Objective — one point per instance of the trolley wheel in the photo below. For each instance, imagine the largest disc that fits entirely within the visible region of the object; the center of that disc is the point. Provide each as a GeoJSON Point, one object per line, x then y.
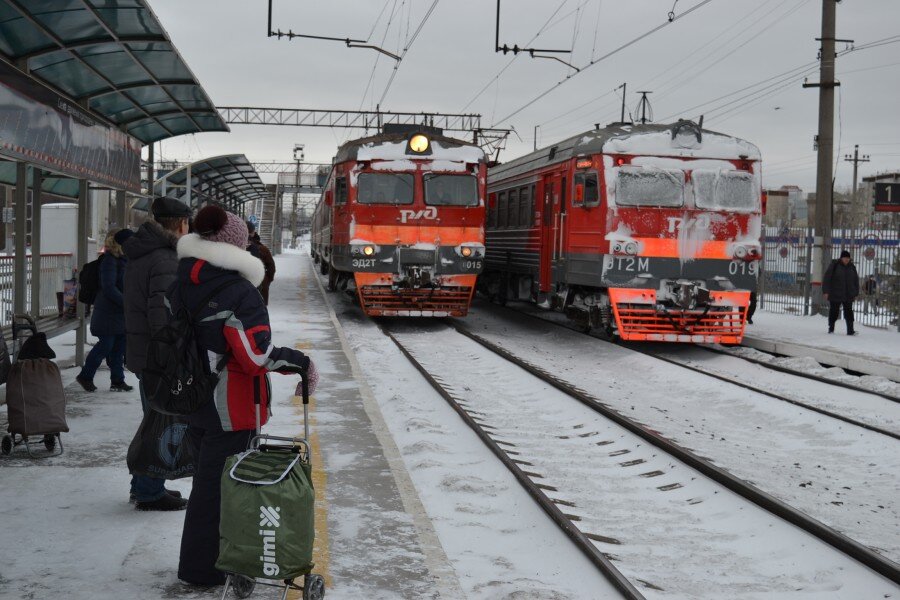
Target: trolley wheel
{"type": "Point", "coordinates": [6, 445]}
{"type": "Point", "coordinates": [242, 586]}
{"type": "Point", "coordinates": [50, 442]}
{"type": "Point", "coordinates": [313, 587]}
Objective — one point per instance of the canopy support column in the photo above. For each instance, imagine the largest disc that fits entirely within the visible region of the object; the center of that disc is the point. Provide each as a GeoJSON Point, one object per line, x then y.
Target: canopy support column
{"type": "Point", "coordinates": [37, 182]}
{"type": "Point", "coordinates": [121, 209]}
{"type": "Point", "coordinates": [20, 273]}
{"type": "Point", "coordinates": [81, 257]}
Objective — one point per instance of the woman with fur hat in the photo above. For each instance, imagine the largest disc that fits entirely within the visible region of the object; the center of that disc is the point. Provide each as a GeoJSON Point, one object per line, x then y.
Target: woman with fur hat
{"type": "Point", "coordinates": [108, 318]}
{"type": "Point", "coordinates": [215, 269]}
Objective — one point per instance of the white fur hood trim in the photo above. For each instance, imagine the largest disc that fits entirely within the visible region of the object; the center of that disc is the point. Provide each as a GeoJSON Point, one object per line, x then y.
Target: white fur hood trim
{"type": "Point", "coordinates": [222, 255]}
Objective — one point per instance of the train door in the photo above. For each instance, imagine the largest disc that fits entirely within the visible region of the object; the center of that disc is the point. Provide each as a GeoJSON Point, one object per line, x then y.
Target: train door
{"type": "Point", "coordinates": [549, 210]}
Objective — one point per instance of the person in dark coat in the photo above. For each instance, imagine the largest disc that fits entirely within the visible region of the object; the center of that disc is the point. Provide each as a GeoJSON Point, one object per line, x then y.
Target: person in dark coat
{"type": "Point", "coordinates": [108, 318]}
{"type": "Point", "coordinates": [260, 251]}
{"type": "Point", "coordinates": [218, 278]}
{"type": "Point", "coordinates": [840, 286]}
{"type": "Point", "coordinates": [152, 263]}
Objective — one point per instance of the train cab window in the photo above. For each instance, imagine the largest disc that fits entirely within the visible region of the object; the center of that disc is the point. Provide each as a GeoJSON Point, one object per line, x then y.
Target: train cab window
{"type": "Point", "coordinates": [512, 219]}
{"type": "Point", "coordinates": [646, 186]}
{"type": "Point", "coordinates": [501, 210]}
{"type": "Point", "coordinates": [586, 192]}
{"type": "Point", "coordinates": [451, 190]}
{"type": "Point", "coordinates": [524, 208]}
{"type": "Point", "coordinates": [340, 190]}
{"type": "Point", "coordinates": [384, 188]}
{"type": "Point", "coordinates": [725, 190]}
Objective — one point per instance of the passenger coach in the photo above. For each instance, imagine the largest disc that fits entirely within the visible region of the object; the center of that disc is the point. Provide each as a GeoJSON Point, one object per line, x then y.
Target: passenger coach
{"type": "Point", "coordinates": [645, 232]}
{"type": "Point", "coordinates": [402, 220]}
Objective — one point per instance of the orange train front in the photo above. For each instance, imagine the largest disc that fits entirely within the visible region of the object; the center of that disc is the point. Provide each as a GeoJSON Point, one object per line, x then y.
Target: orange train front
{"type": "Point", "coordinates": [402, 220]}
{"type": "Point", "coordinates": [645, 232]}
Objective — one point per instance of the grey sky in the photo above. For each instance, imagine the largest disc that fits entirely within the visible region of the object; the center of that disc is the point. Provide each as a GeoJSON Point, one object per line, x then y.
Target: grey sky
{"type": "Point", "coordinates": [720, 48]}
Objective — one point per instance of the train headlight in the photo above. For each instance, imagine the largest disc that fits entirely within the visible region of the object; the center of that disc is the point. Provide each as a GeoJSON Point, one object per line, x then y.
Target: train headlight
{"type": "Point", "coordinates": [470, 250]}
{"type": "Point", "coordinates": [631, 248]}
{"type": "Point", "coordinates": [419, 144]}
{"type": "Point", "coordinates": [368, 250]}
{"type": "Point", "coordinates": [740, 252]}
{"type": "Point", "coordinates": [617, 247]}
{"type": "Point", "coordinates": [466, 251]}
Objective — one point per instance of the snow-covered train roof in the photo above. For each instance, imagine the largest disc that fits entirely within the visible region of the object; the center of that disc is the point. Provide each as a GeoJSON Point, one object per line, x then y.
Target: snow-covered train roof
{"type": "Point", "coordinates": [622, 138]}
{"type": "Point", "coordinates": [392, 146]}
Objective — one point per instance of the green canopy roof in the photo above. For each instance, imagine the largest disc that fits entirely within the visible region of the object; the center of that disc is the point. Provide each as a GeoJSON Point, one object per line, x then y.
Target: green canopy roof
{"type": "Point", "coordinates": [112, 55]}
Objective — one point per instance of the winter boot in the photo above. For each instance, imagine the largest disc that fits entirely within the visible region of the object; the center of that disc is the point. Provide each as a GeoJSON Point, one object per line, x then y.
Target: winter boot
{"type": "Point", "coordinates": [167, 502]}
{"type": "Point", "coordinates": [120, 386]}
{"type": "Point", "coordinates": [132, 497]}
{"type": "Point", "coordinates": [86, 384]}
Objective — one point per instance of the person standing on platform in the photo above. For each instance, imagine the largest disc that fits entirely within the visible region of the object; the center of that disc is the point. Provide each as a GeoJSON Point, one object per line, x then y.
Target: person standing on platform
{"type": "Point", "coordinates": [840, 286]}
{"type": "Point", "coordinates": [259, 250]}
{"type": "Point", "coordinates": [108, 318]}
{"type": "Point", "coordinates": [152, 264]}
{"type": "Point", "coordinates": [751, 310]}
{"type": "Point", "coordinates": [217, 280]}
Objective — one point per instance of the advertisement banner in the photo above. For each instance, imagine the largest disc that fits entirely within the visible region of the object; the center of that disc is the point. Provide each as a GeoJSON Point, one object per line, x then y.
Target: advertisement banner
{"type": "Point", "coordinates": [47, 130]}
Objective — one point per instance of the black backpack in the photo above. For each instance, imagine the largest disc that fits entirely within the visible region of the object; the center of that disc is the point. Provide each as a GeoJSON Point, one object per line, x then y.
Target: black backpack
{"type": "Point", "coordinates": [176, 377]}
{"type": "Point", "coordinates": [89, 281]}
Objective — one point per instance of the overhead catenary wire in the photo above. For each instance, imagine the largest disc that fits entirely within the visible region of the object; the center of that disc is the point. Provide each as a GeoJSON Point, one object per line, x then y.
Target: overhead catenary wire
{"type": "Point", "coordinates": [613, 52]}
{"type": "Point", "coordinates": [406, 48]}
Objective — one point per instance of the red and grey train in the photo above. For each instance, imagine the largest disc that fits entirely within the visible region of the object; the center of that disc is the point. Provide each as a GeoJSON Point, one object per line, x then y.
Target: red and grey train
{"type": "Point", "coordinates": [645, 232]}
{"type": "Point", "coordinates": [402, 220]}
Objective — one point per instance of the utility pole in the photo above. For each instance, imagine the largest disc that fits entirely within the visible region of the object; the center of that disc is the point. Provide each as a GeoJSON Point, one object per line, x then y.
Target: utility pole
{"type": "Point", "coordinates": [643, 105]}
{"type": "Point", "coordinates": [535, 136]}
{"type": "Point", "coordinates": [824, 169]}
{"type": "Point", "coordinates": [624, 87]}
{"type": "Point", "coordinates": [855, 159]}
{"type": "Point", "coordinates": [298, 157]}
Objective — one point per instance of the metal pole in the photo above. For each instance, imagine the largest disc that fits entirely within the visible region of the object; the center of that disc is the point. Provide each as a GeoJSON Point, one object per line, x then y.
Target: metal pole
{"type": "Point", "coordinates": [824, 169]}
{"type": "Point", "coordinates": [37, 180]}
{"type": "Point", "coordinates": [150, 168]}
{"type": "Point", "coordinates": [536, 127]}
{"type": "Point", "coordinates": [189, 186]}
{"type": "Point", "coordinates": [624, 89]}
{"type": "Point", "coordinates": [121, 209]}
{"type": "Point", "coordinates": [20, 272]}
{"type": "Point", "coordinates": [81, 257]}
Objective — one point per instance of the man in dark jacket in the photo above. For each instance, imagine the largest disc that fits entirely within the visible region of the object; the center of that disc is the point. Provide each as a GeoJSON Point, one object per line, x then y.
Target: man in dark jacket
{"type": "Point", "coordinates": [259, 250]}
{"type": "Point", "coordinates": [840, 286]}
{"type": "Point", "coordinates": [152, 264]}
{"type": "Point", "coordinates": [216, 269]}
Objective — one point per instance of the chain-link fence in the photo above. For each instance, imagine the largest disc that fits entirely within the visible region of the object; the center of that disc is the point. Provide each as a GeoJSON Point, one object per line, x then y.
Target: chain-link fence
{"type": "Point", "coordinates": [785, 281]}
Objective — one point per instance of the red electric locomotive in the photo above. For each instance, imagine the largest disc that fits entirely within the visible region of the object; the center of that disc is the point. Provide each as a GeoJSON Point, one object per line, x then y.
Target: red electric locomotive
{"type": "Point", "coordinates": [645, 232]}
{"type": "Point", "coordinates": [402, 219]}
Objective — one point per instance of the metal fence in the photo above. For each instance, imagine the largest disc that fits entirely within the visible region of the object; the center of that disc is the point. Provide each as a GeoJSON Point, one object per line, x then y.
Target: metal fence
{"type": "Point", "coordinates": [785, 281]}
{"type": "Point", "coordinates": [55, 268]}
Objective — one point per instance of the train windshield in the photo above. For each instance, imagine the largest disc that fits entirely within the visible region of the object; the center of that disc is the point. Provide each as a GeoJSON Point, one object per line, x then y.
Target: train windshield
{"type": "Point", "coordinates": [724, 190]}
{"type": "Point", "coordinates": [384, 188]}
{"type": "Point", "coordinates": [451, 190]}
{"type": "Point", "coordinates": [649, 187]}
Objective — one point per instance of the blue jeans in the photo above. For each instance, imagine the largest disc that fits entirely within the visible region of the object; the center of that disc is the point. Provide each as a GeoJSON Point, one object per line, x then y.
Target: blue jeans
{"type": "Point", "coordinates": [146, 489]}
{"type": "Point", "coordinates": [112, 348]}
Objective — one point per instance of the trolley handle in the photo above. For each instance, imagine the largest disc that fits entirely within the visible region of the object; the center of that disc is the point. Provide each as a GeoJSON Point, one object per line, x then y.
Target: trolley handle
{"type": "Point", "coordinates": [304, 381]}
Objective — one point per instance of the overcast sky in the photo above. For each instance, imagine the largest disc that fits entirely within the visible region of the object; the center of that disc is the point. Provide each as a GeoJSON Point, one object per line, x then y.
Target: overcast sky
{"type": "Point", "coordinates": [718, 49]}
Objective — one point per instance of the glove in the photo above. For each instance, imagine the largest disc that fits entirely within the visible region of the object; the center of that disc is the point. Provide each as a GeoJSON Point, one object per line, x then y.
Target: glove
{"type": "Point", "coordinates": [313, 375]}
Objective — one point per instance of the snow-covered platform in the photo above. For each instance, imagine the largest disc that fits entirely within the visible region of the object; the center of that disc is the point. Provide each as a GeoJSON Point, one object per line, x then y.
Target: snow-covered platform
{"type": "Point", "coordinates": [69, 531]}
{"type": "Point", "coordinates": [872, 352]}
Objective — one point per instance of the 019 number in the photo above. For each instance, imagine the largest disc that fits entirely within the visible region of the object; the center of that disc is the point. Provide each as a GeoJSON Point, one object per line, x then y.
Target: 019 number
{"type": "Point", "coordinates": [740, 267]}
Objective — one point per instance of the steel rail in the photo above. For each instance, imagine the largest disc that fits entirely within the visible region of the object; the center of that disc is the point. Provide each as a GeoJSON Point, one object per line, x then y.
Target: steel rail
{"type": "Point", "coordinates": [764, 500]}
{"type": "Point", "coordinates": [615, 577]}
{"type": "Point", "coordinates": [771, 394]}
{"type": "Point", "coordinates": [803, 374]}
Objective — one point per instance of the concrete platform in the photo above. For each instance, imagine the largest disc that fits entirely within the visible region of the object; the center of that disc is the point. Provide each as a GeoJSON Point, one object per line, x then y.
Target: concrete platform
{"type": "Point", "coordinates": [69, 531]}
{"type": "Point", "coordinates": [873, 352]}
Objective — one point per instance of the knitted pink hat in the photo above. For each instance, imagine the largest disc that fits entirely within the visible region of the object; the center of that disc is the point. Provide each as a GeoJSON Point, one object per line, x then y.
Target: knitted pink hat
{"type": "Point", "coordinates": [217, 225]}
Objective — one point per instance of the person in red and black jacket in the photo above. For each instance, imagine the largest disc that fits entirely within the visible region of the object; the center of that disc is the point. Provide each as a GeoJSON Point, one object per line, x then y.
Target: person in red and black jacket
{"type": "Point", "coordinates": [234, 326]}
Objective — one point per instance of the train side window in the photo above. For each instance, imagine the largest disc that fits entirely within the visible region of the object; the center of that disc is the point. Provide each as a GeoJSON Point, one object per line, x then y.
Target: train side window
{"type": "Point", "coordinates": [340, 190]}
{"type": "Point", "coordinates": [586, 191]}
{"type": "Point", "coordinates": [513, 209]}
{"type": "Point", "coordinates": [534, 201]}
{"type": "Point", "coordinates": [501, 210]}
{"type": "Point", "coordinates": [524, 208]}
{"type": "Point", "coordinates": [491, 216]}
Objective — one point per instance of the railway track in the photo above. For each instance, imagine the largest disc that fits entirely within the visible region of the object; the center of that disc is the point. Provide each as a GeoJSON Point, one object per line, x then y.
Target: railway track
{"type": "Point", "coordinates": [870, 425]}
{"type": "Point", "coordinates": [604, 445]}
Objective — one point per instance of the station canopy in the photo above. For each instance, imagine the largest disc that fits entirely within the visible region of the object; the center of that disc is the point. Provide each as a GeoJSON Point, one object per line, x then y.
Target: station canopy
{"type": "Point", "coordinates": [228, 179]}
{"type": "Point", "coordinates": [112, 57]}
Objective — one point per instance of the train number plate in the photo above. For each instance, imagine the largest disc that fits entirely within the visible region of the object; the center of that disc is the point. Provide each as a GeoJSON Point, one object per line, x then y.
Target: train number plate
{"type": "Point", "coordinates": [627, 264]}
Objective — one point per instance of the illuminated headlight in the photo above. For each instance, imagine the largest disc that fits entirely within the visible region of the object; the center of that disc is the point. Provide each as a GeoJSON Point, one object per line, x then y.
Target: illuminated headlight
{"type": "Point", "coordinates": [364, 249]}
{"type": "Point", "coordinates": [470, 250]}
